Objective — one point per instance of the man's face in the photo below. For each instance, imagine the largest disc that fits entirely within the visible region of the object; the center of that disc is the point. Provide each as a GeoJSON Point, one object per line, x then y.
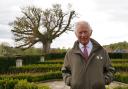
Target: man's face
{"type": "Point", "coordinates": [83, 33]}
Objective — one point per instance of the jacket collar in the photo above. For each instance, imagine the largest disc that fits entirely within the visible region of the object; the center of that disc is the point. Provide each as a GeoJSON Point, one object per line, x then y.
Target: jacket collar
{"type": "Point", "coordinates": [96, 46]}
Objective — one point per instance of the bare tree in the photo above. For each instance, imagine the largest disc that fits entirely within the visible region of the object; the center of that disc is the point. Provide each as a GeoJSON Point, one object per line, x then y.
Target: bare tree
{"type": "Point", "coordinates": [36, 25]}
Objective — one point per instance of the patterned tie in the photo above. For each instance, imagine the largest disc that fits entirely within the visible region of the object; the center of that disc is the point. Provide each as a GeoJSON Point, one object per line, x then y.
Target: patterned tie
{"type": "Point", "coordinates": [85, 53]}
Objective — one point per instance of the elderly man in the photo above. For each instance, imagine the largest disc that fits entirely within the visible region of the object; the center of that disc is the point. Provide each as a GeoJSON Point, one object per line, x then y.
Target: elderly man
{"type": "Point", "coordinates": [87, 65]}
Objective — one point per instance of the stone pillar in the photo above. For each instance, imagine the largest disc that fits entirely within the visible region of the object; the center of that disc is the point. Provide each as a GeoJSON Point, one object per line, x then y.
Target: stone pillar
{"type": "Point", "coordinates": [42, 59]}
{"type": "Point", "coordinates": [19, 63]}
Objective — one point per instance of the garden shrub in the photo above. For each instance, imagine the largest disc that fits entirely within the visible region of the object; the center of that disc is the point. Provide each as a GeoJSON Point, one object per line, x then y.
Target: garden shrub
{"type": "Point", "coordinates": [23, 84]}
{"type": "Point", "coordinates": [121, 77]}
{"type": "Point", "coordinates": [35, 77]}
{"type": "Point", "coordinates": [7, 83]}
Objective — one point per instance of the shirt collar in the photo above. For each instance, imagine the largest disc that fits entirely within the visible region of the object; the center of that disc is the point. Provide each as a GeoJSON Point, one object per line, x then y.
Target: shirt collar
{"type": "Point", "coordinates": [88, 45]}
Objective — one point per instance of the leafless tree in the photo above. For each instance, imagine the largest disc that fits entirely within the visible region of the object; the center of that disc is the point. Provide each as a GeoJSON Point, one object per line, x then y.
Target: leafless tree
{"type": "Point", "coordinates": [36, 25]}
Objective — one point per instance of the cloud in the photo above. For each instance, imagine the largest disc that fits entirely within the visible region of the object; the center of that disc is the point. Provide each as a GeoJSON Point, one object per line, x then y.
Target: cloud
{"type": "Point", "coordinates": [117, 9]}
{"type": "Point", "coordinates": [65, 40]}
{"type": "Point", "coordinates": [9, 41]}
{"type": "Point", "coordinates": [5, 32]}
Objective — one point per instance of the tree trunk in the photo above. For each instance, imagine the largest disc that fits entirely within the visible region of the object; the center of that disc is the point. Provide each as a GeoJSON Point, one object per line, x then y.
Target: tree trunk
{"type": "Point", "coordinates": [46, 47]}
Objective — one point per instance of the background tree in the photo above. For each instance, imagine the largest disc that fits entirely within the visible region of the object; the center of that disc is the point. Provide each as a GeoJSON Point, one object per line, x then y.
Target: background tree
{"type": "Point", "coordinates": [36, 25]}
{"type": "Point", "coordinates": [5, 49]}
{"type": "Point", "coordinates": [117, 46]}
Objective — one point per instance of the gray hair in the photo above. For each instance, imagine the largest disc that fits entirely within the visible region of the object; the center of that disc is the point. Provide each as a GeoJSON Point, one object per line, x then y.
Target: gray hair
{"type": "Point", "coordinates": [82, 23]}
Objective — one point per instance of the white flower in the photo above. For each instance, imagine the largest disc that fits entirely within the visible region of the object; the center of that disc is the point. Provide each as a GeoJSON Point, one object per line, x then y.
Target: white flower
{"type": "Point", "coordinates": [101, 57]}
{"type": "Point", "coordinates": [98, 57]}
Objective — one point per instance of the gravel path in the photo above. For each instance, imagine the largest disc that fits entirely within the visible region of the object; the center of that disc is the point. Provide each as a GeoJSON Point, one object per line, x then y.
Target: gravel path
{"type": "Point", "coordinates": [61, 85]}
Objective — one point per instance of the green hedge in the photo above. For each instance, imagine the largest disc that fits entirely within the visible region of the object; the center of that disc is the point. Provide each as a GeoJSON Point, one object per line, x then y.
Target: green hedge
{"type": "Point", "coordinates": [6, 62]}
{"type": "Point", "coordinates": [35, 68]}
{"type": "Point", "coordinates": [112, 55]}
{"type": "Point", "coordinates": [34, 77]}
{"type": "Point", "coordinates": [121, 77]}
{"type": "Point", "coordinates": [121, 61]}
{"type": "Point", "coordinates": [118, 55]}
{"type": "Point", "coordinates": [8, 83]}
{"type": "Point", "coordinates": [19, 84]}
{"type": "Point", "coordinates": [56, 61]}
{"type": "Point", "coordinates": [119, 67]}
{"type": "Point", "coordinates": [55, 55]}
{"type": "Point", "coordinates": [23, 84]}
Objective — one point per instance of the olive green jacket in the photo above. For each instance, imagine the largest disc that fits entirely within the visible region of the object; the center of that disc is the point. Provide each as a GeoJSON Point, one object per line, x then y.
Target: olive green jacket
{"type": "Point", "coordinates": [92, 74]}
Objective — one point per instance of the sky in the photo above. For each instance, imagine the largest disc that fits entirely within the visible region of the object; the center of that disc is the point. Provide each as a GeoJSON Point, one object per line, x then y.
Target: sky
{"type": "Point", "coordinates": [107, 18]}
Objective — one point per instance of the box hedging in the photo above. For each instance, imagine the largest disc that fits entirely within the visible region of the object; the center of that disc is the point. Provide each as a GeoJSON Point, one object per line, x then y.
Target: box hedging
{"type": "Point", "coordinates": [35, 68]}
{"type": "Point", "coordinates": [119, 67]}
{"type": "Point", "coordinates": [118, 55]}
{"type": "Point", "coordinates": [56, 67]}
{"type": "Point", "coordinates": [121, 61]}
{"type": "Point", "coordinates": [55, 55]}
{"type": "Point", "coordinates": [6, 62]}
{"type": "Point", "coordinates": [19, 84]}
{"type": "Point", "coordinates": [121, 77]}
{"type": "Point", "coordinates": [32, 77]}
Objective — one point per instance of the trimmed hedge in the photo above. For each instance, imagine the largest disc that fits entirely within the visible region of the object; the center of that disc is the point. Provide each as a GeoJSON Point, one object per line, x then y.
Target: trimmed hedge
{"type": "Point", "coordinates": [121, 77]}
{"type": "Point", "coordinates": [34, 77]}
{"type": "Point", "coordinates": [19, 84]}
{"type": "Point", "coordinates": [55, 56]}
{"type": "Point", "coordinates": [56, 61]}
{"type": "Point", "coordinates": [6, 62]}
{"type": "Point", "coordinates": [111, 55]}
{"type": "Point", "coordinates": [119, 67]}
{"type": "Point", "coordinates": [37, 77]}
{"type": "Point", "coordinates": [54, 67]}
{"type": "Point", "coordinates": [35, 68]}
{"type": "Point", "coordinates": [118, 55]}
{"type": "Point", "coordinates": [121, 61]}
